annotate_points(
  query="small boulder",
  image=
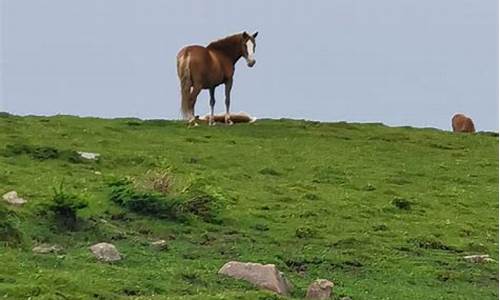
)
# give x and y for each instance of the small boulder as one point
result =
(89, 155)
(478, 258)
(263, 276)
(106, 252)
(160, 245)
(13, 199)
(45, 249)
(320, 289)
(345, 298)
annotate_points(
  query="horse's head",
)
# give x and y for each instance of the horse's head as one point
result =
(249, 47)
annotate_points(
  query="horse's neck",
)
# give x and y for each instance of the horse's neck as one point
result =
(229, 47)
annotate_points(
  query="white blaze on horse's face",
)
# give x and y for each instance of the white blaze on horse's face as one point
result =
(250, 52)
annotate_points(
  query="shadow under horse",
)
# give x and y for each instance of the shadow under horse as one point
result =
(201, 68)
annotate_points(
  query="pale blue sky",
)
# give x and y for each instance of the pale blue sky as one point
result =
(400, 62)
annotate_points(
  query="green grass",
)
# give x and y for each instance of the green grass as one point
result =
(385, 213)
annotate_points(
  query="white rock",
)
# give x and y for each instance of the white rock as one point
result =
(13, 198)
(45, 248)
(320, 289)
(106, 252)
(160, 245)
(89, 155)
(263, 276)
(478, 258)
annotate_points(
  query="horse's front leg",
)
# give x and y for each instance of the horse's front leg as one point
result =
(228, 85)
(212, 105)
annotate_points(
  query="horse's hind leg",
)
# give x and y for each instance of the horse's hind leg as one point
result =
(212, 105)
(228, 85)
(195, 91)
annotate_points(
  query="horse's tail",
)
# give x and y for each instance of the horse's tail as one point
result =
(184, 73)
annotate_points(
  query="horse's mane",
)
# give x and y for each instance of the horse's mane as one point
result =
(226, 42)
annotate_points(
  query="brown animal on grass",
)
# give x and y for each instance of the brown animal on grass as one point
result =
(240, 117)
(207, 67)
(462, 123)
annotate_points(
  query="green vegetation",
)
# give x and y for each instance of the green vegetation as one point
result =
(385, 213)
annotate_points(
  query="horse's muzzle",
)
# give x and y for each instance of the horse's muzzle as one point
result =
(251, 63)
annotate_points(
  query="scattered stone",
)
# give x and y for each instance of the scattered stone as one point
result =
(478, 258)
(106, 252)
(97, 173)
(345, 298)
(263, 276)
(160, 245)
(89, 155)
(13, 198)
(320, 289)
(46, 248)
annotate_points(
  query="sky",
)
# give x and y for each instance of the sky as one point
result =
(400, 62)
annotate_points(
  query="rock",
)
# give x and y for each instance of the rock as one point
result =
(263, 276)
(106, 252)
(13, 198)
(45, 249)
(320, 289)
(160, 245)
(478, 258)
(89, 155)
(345, 298)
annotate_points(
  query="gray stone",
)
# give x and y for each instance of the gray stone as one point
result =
(320, 289)
(106, 252)
(263, 276)
(13, 199)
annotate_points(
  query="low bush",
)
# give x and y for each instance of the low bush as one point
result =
(64, 207)
(9, 231)
(197, 200)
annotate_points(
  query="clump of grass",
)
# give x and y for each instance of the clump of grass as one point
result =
(305, 232)
(197, 200)
(65, 206)
(368, 187)
(430, 243)
(311, 196)
(380, 227)
(160, 180)
(41, 152)
(204, 200)
(269, 171)
(260, 227)
(9, 232)
(401, 203)
(329, 175)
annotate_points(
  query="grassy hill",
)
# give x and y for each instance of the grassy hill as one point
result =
(385, 213)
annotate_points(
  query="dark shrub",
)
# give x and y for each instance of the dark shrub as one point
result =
(65, 206)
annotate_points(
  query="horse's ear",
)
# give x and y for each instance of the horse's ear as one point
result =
(255, 34)
(245, 35)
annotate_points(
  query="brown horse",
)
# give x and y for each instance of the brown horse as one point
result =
(461, 123)
(201, 67)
